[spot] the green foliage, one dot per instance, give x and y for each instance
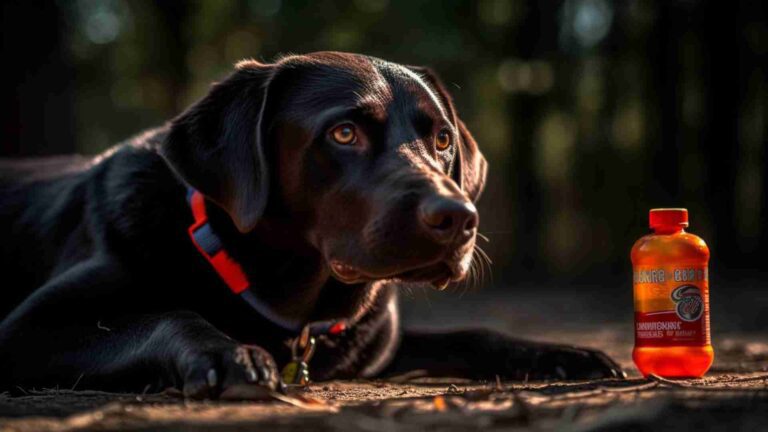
(590, 111)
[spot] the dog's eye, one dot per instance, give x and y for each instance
(443, 140)
(344, 134)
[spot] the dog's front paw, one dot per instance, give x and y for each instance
(572, 363)
(236, 372)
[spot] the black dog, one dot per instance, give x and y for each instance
(313, 188)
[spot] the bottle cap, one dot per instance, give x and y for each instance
(668, 217)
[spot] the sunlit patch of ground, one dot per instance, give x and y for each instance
(734, 395)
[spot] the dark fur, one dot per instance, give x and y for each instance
(103, 287)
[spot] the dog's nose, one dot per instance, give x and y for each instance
(448, 219)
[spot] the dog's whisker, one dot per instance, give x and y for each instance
(483, 236)
(484, 254)
(462, 286)
(407, 289)
(472, 276)
(475, 274)
(481, 274)
(425, 293)
(488, 265)
(483, 261)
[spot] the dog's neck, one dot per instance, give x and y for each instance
(287, 273)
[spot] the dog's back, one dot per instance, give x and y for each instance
(16, 171)
(41, 202)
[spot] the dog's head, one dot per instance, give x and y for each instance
(366, 159)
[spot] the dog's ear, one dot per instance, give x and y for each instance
(217, 145)
(469, 167)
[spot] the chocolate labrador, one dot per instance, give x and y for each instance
(268, 226)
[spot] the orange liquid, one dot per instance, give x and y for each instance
(674, 362)
(670, 248)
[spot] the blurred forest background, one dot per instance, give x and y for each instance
(589, 111)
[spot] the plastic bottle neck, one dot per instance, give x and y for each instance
(666, 230)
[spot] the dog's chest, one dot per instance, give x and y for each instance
(361, 352)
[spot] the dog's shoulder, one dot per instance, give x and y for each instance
(135, 194)
(120, 194)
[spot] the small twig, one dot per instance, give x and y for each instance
(628, 389)
(77, 382)
(749, 378)
(576, 395)
(681, 385)
(407, 376)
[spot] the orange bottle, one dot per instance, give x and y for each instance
(671, 284)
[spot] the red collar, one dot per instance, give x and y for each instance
(210, 246)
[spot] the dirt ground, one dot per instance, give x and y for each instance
(733, 396)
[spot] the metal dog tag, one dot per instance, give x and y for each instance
(296, 372)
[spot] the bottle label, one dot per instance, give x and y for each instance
(671, 305)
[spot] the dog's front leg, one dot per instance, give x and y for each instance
(59, 338)
(484, 354)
